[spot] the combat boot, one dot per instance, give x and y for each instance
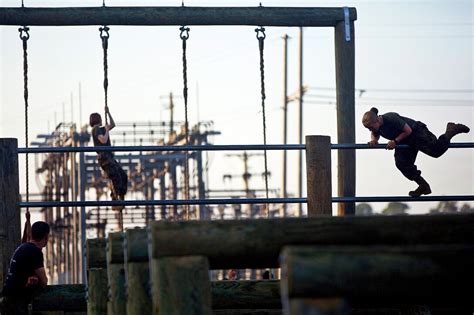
(453, 129)
(423, 188)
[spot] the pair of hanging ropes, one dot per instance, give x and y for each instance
(184, 37)
(24, 36)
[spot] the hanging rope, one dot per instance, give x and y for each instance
(104, 35)
(261, 37)
(184, 35)
(24, 36)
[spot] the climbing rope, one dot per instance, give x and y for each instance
(261, 37)
(184, 35)
(104, 35)
(24, 36)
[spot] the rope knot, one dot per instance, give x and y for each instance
(24, 35)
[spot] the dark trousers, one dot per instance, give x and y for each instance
(422, 140)
(115, 173)
(14, 305)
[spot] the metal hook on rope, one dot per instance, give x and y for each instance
(104, 35)
(261, 38)
(184, 35)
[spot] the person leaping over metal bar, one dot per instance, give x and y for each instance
(403, 130)
(112, 168)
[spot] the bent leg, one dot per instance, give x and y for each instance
(426, 142)
(405, 162)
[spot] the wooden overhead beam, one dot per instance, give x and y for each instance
(266, 16)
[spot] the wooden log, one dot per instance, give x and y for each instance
(257, 243)
(66, 297)
(138, 288)
(247, 312)
(116, 303)
(114, 248)
(10, 226)
(181, 285)
(95, 253)
(434, 275)
(345, 95)
(243, 294)
(97, 292)
(136, 245)
(267, 16)
(318, 174)
(328, 306)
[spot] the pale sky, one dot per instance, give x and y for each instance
(410, 56)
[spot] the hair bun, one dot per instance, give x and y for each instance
(374, 110)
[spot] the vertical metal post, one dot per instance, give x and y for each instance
(203, 213)
(161, 168)
(300, 124)
(82, 196)
(285, 122)
(345, 91)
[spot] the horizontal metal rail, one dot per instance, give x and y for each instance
(126, 203)
(161, 15)
(231, 147)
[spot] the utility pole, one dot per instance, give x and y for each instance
(285, 122)
(80, 107)
(171, 113)
(300, 127)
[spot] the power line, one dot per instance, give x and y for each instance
(400, 90)
(376, 99)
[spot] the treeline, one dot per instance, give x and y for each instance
(400, 208)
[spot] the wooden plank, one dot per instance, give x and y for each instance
(95, 253)
(138, 288)
(66, 297)
(345, 95)
(181, 285)
(257, 243)
(114, 248)
(10, 226)
(318, 174)
(97, 292)
(267, 16)
(423, 275)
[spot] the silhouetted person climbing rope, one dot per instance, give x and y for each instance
(402, 130)
(118, 177)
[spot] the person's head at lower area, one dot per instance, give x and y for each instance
(40, 232)
(370, 120)
(95, 119)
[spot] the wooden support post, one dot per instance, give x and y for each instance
(97, 292)
(318, 170)
(345, 89)
(137, 272)
(181, 285)
(246, 294)
(419, 274)
(10, 226)
(116, 304)
(244, 243)
(95, 253)
(97, 276)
